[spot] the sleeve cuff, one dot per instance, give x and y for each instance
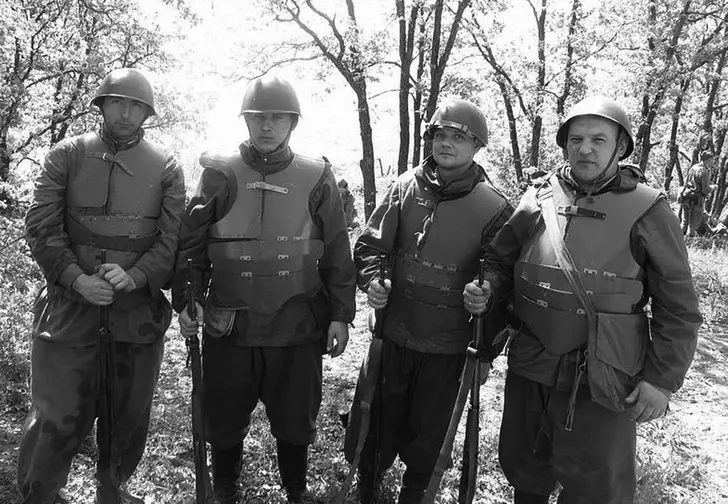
(140, 279)
(69, 275)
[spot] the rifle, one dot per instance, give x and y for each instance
(203, 487)
(359, 419)
(108, 485)
(469, 474)
(469, 383)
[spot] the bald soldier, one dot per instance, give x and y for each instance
(586, 249)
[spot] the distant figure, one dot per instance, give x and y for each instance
(347, 201)
(721, 226)
(697, 189)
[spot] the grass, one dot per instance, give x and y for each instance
(681, 458)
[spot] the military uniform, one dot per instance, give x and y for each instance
(268, 236)
(697, 185)
(95, 194)
(628, 250)
(435, 232)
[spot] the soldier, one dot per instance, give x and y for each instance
(348, 202)
(434, 224)
(266, 227)
(585, 251)
(696, 191)
(112, 193)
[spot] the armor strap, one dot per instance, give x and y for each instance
(81, 235)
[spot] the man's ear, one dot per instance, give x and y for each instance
(294, 123)
(622, 143)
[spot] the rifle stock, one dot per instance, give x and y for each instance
(108, 486)
(203, 486)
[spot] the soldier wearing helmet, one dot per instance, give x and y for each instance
(696, 191)
(104, 229)
(267, 235)
(589, 246)
(434, 224)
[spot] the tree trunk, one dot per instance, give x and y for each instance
(512, 130)
(417, 101)
(540, 88)
(673, 147)
(406, 47)
(367, 162)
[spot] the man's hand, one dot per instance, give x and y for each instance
(94, 289)
(377, 294)
(117, 277)
(476, 297)
(649, 402)
(187, 326)
(337, 339)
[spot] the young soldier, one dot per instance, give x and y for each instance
(269, 242)
(433, 225)
(587, 248)
(109, 193)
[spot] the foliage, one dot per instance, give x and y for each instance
(53, 56)
(20, 280)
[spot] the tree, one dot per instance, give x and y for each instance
(406, 50)
(439, 57)
(53, 57)
(341, 45)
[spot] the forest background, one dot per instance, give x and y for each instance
(369, 73)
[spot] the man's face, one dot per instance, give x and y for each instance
(123, 116)
(268, 130)
(589, 146)
(453, 149)
(708, 163)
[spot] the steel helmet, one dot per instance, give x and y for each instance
(126, 83)
(600, 107)
(460, 115)
(270, 94)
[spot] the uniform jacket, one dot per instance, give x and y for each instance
(434, 234)
(698, 182)
(63, 198)
(660, 264)
(301, 318)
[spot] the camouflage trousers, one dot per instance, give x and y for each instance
(63, 410)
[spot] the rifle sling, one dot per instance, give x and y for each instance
(375, 349)
(566, 263)
(466, 383)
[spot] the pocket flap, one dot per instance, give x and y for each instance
(622, 341)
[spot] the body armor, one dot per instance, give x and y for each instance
(114, 201)
(426, 304)
(596, 231)
(265, 250)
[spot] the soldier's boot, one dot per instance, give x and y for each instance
(226, 465)
(413, 488)
(408, 495)
(61, 498)
(367, 486)
(293, 465)
(521, 497)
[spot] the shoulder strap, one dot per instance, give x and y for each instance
(566, 261)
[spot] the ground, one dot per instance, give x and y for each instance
(683, 458)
